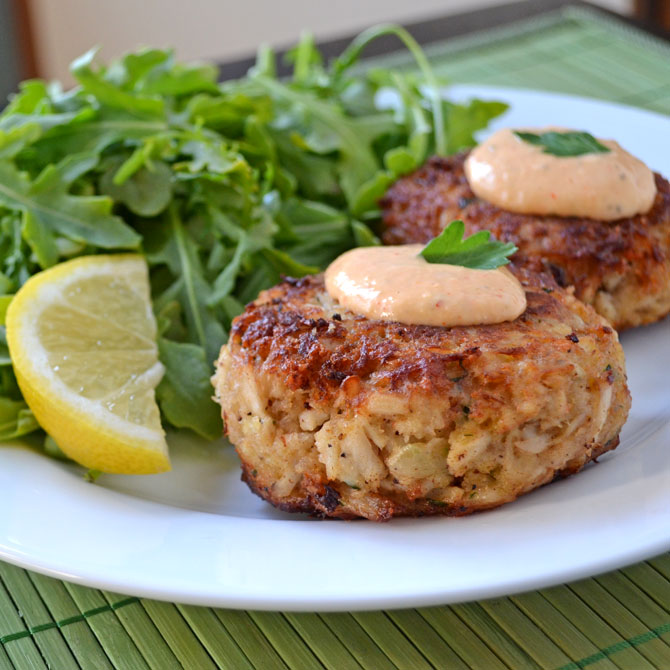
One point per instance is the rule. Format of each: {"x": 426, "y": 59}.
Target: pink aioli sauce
{"x": 396, "y": 284}
{"x": 519, "y": 177}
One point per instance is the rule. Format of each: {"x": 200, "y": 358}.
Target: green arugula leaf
{"x": 181, "y": 79}
{"x": 370, "y": 192}
{"x": 15, "y": 419}
{"x": 564, "y": 144}
{"x": 257, "y": 237}
{"x": 211, "y": 154}
{"x": 140, "y": 158}
{"x": 193, "y": 289}
{"x": 17, "y": 264}
{"x": 5, "y": 359}
{"x": 33, "y": 95}
{"x": 400, "y": 160}
{"x": 14, "y": 140}
{"x": 307, "y": 62}
{"x": 330, "y": 130}
{"x": 4, "y": 304}
{"x": 133, "y": 68}
{"x": 52, "y": 449}
{"x": 411, "y": 114}
{"x": 40, "y": 239}
{"x": 315, "y": 175}
{"x": 44, "y": 122}
{"x": 80, "y": 218}
{"x": 353, "y": 52}
{"x": 285, "y": 265}
{"x": 147, "y": 192}
{"x": 108, "y": 127}
{"x": 477, "y": 251}
{"x": 110, "y": 94}
{"x": 185, "y": 392}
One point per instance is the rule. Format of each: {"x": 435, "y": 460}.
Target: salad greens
{"x": 477, "y": 251}
{"x": 224, "y": 187}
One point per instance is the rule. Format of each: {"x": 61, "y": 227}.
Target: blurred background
{"x": 41, "y": 37}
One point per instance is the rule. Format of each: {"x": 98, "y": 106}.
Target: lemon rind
{"x": 36, "y": 372}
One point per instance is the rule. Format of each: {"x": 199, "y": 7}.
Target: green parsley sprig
{"x": 570, "y": 143}
{"x": 478, "y": 251}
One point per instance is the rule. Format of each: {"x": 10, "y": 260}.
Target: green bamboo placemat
{"x": 618, "y": 620}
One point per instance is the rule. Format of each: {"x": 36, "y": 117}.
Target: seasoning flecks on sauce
{"x": 396, "y": 284}
{"x": 519, "y": 177}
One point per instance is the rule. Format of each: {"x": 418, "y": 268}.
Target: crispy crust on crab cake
{"x": 621, "y": 267}
{"x": 340, "y": 416}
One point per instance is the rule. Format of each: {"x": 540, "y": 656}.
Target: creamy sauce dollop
{"x": 396, "y": 284}
{"x": 519, "y": 177}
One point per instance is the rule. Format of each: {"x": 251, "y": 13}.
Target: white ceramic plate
{"x": 197, "y": 535}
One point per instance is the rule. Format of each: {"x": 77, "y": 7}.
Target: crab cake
{"x": 338, "y": 415}
{"x": 620, "y": 267}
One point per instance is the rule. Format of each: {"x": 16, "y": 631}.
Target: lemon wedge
{"x": 82, "y": 339}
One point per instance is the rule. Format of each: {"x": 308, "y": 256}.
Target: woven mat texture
{"x": 619, "y": 620}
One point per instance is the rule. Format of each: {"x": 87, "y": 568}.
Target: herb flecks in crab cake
{"x": 343, "y": 416}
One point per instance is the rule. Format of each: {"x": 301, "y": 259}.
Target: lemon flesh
{"x": 82, "y": 339}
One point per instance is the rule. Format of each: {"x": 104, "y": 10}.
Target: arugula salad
{"x": 223, "y": 187}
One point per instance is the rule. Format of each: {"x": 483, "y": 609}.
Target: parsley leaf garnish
{"x": 477, "y": 251}
{"x": 570, "y": 143}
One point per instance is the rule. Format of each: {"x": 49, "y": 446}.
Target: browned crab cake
{"x": 620, "y": 267}
{"x": 341, "y": 416}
